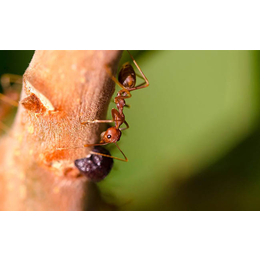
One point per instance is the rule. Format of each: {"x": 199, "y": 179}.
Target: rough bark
{"x": 60, "y": 90}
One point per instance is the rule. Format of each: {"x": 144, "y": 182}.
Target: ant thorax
{"x": 120, "y": 103}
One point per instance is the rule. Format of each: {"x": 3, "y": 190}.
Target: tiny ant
{"x": 126, "y": 81}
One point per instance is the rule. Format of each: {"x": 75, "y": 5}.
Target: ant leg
{"x": 119, "y": 84}
{"x": 78, "y": 147}
{"x": 115, "y": 115}
{"x": 146, "y": 83}
{"x": 139, "y": 76}
{"x": 127, "y": 126}
{"x": 119, "y": 96}
{"x": 106, "y": 155}
{"x": 87, "y": 145}
{"x": 97, "y": 121}
{"x": 141, "y": 85}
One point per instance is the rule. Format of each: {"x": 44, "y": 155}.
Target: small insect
{"x": 127, "y": 83}
{"x": 95, "y": 166}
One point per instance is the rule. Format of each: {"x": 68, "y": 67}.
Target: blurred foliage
{"x": 14, "y": 62}
{"x": 194, "y": 138}
{"x": 185, "y": 130}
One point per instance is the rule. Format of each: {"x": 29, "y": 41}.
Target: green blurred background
{"x": 194, "y": 136}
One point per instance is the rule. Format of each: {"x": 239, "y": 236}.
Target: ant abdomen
{"x": 127, "y": 76}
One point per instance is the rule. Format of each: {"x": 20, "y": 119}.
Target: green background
{"x": 194, "y": 139}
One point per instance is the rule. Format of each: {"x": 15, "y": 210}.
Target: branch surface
{"x": 61, "y": 89}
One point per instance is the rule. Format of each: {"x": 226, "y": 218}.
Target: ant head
{"x": 127, "y": 76}
{"x": 111, "y": 135}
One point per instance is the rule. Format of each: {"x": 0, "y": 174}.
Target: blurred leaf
{"x": 199, "y": 105}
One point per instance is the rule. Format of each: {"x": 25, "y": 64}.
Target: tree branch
{"x": 61, "y": 89}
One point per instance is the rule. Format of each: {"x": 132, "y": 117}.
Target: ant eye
{"x": 109, "y": 136}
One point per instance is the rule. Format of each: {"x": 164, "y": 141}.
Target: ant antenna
{"x": 106, "y": 155}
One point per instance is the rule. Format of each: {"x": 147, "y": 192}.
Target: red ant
{"x": 126, "y": 81}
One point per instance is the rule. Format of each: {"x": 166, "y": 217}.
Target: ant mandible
{"x": 126, "y": 81}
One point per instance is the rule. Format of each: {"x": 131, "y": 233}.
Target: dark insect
{"x": 95, "y": 167}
